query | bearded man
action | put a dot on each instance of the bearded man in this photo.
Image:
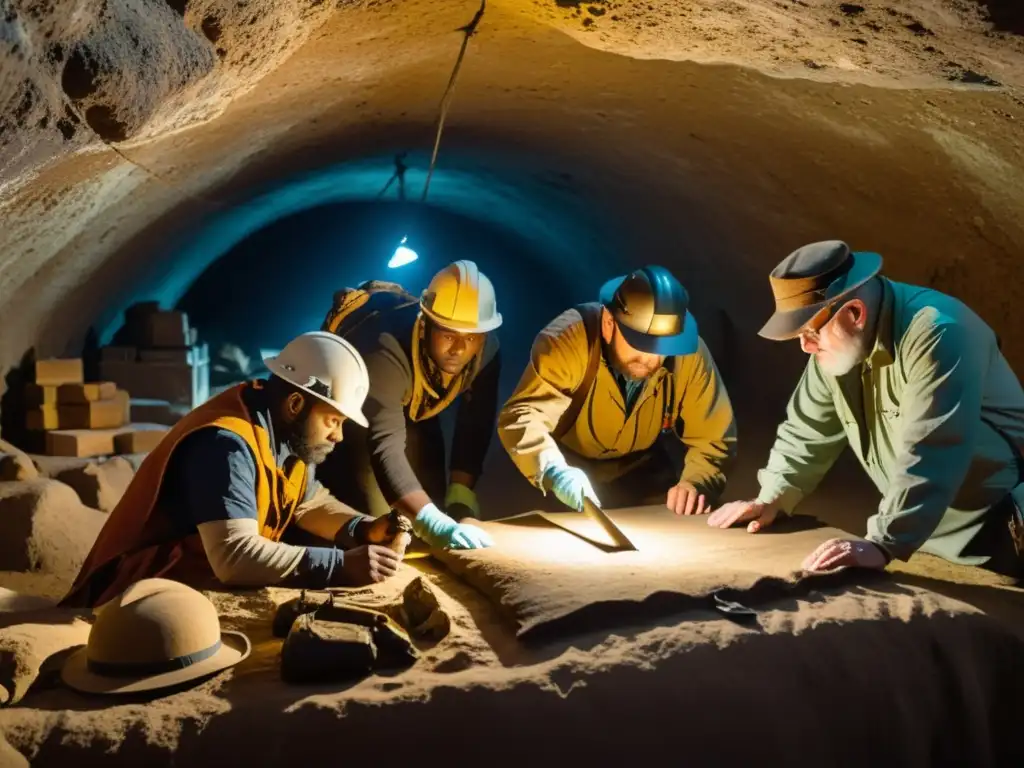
(915, 383)
(612, 391)
(218, 495)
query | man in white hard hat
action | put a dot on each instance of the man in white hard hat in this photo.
(612, 390)
(422, 355)
(220, 491)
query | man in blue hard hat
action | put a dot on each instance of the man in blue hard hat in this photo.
(612, 390)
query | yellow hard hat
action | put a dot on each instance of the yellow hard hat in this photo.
(461, 298)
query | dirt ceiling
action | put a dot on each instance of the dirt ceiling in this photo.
(712, 136)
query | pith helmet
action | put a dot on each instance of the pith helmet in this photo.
(461, 298)
(156, 634)
(328, 367)
(651, 309)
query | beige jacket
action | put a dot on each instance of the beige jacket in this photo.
(686, 396)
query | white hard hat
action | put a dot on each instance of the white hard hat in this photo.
(461, 298)
(328, 367)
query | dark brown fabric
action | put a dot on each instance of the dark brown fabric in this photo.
(543, 577)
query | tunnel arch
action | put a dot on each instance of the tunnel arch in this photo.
(546, 211)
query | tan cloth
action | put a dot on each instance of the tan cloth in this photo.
(538, 574)
(691, 399)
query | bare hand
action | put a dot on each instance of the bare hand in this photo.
(759, 515)
(685, 499)
(844, 553)
(368, 564)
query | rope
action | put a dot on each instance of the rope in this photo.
(400, 167)
(446, 100)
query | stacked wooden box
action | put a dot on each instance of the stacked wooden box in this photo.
(159, 362)
(79, 418)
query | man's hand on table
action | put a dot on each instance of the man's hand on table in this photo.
(845, 553)
(754, 513)
(684, 499)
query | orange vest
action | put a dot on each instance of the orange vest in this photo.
(139, 540)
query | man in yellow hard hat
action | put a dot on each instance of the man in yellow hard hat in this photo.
(218, 495)
(606, 380)
(422, 355)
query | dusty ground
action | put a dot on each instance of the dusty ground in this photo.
(499, 691)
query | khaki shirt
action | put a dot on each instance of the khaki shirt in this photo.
(688, 394)
(921, 414)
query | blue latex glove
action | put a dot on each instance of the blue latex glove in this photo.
(441, 532)
(463, 495)
(570, 485)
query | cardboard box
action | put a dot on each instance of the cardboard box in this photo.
(80, 443)
(43, 418)
(165, 329)
(36, 395)
(97, 414)
(76, 394)
(139, 438)
(181, 355)
(153, 412)
(121, 354)
(176, 383)
(54, 371)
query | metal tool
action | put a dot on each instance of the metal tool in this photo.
(595, 513)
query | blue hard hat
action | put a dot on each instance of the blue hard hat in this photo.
(651, 309)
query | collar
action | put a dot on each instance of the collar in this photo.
(882, 351)
(259, 407)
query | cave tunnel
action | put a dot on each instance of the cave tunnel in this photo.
(232, 158)
(566, 158)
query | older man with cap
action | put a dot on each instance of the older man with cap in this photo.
(216, 499)
(915, 383)
(605, 382)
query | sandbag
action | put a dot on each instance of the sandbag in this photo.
(17, 467)
(541, 576)
(100, 485)
(45, 527)
(35, 638)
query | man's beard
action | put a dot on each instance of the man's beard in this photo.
(303, 446)
(632, 370)
(852, 352)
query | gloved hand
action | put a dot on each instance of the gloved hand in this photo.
(441, 532)
(570, 485)
(461, 496)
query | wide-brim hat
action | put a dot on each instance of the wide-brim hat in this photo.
(157, 634)
(666, 330)
(813, 278)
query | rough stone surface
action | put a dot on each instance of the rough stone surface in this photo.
(45, 527)
(100, 485)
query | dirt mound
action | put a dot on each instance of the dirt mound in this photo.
(101, 485)
(45, 527)
(17, 467)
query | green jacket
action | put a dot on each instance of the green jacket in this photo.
(931, 415)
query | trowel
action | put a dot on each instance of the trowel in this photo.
(595, 513)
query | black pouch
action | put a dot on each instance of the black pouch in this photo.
(318, 651)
